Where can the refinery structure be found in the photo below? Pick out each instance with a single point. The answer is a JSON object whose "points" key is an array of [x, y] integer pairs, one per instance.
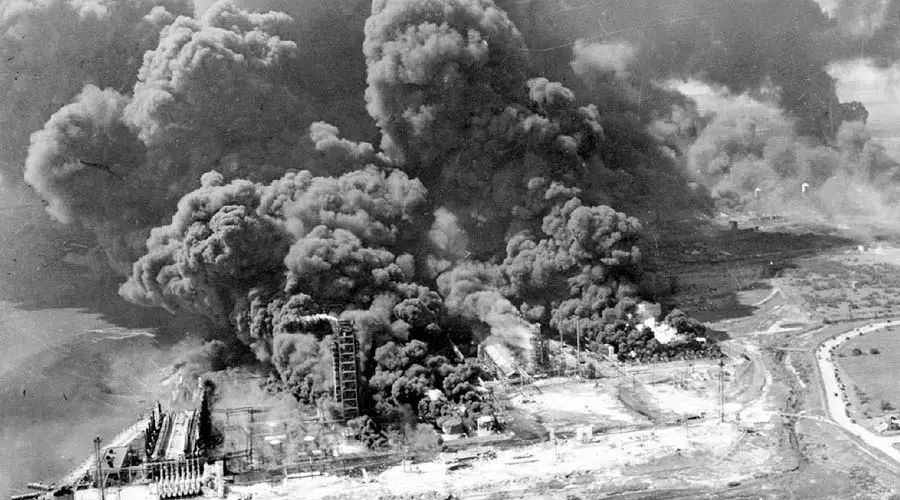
{"points": [[174, 454]]}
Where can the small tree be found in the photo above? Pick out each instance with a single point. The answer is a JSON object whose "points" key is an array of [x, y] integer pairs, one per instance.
{"points": [[874, 350], [886, 405], [856, 351]]}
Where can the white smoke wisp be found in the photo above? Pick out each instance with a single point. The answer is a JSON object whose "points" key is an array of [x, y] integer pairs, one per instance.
{"points": [[512, 332], [611, 58], [311, 319], [647, 310], [647, 314], [662, 332]]}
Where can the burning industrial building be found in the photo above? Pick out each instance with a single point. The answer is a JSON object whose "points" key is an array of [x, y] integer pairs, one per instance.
{"points": [[462, 226], [482, 204], [479, 213]]}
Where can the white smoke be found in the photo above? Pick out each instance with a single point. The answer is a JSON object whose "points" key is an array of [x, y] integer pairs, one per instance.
{"points": [[647, 313], [662, 332]]}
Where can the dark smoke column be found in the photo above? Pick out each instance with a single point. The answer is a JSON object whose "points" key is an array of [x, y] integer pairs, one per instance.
{"points": [[448, 86]]}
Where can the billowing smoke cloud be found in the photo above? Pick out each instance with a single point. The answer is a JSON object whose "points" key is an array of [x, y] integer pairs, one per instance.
{"points": [[216, 93], [743, 46], [753, 158], [602, 57], [50, 49], [583, 271], [470, 290], [867, 29], [262, 257], [458, 110], [460, 226]]}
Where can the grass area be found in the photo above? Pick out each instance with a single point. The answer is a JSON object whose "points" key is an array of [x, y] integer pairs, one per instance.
{"points": [[872, 365], [700, 267], [847, 285]]}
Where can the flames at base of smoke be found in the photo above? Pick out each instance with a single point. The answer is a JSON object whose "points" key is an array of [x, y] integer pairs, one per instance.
{"points": [[461, 227]]}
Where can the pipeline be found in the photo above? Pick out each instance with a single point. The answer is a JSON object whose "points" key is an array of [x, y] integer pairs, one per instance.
{"points": [[182, 479], [26, 496], [162, 439]]}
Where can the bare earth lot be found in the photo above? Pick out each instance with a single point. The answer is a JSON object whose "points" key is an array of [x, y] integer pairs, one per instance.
{"points": [[774, 443]]}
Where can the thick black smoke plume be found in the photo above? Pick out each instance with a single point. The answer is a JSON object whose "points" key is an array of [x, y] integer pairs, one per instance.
{"points": [[487, 189], [492, 151], [753, 158], [744, 46], [775, 54], [51, 49]]}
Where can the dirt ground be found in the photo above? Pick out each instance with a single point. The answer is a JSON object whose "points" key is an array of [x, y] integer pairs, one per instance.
{"points": [[564, 404], [609, 460]]}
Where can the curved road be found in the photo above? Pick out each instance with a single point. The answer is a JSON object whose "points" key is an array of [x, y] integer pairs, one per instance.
{"points": [[833, 394]]}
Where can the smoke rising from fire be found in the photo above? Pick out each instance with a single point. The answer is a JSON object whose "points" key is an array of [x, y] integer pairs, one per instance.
{"points": [[51, 49], [753, 158], [487, 188]]}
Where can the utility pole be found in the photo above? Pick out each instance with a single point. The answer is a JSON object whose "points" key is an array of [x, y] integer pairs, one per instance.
{"points": [[562, 365], [289, 450], [578, 348], [722, 390], [249, 439], [578, 337], [100, 480]]}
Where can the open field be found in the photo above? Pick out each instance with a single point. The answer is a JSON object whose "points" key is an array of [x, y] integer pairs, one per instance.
{"points": [[871, 379], [563, 405], [702, 268], [851, 283]]}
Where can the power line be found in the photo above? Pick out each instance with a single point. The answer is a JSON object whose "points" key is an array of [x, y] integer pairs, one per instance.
{"points": [[665, 22], [722, 390], [606, 34]]}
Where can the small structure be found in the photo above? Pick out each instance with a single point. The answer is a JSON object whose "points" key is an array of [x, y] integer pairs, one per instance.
{"points": [[584, 433], [451, 428], [486, 425], [608, 351], [452, 425], [804, 189], [892, 423]]}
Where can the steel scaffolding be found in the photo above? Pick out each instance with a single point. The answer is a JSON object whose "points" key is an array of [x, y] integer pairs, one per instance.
{"points": [[346, 370]]}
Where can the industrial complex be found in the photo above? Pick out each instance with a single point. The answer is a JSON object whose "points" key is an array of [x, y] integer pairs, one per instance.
{"points": [[206, 450]]}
